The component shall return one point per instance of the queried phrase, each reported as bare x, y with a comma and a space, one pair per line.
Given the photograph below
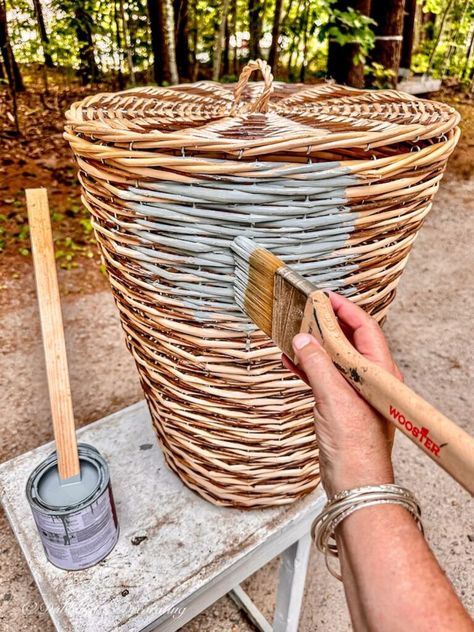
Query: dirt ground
430, 330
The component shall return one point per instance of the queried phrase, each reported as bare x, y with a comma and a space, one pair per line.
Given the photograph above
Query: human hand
355, 441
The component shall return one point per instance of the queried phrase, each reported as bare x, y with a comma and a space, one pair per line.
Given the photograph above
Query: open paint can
76, 520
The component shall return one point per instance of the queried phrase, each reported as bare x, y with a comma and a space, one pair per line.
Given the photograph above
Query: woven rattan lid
250, 120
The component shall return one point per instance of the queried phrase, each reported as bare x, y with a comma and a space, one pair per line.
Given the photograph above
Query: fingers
323, 377
397, 373
365, 333
288, 364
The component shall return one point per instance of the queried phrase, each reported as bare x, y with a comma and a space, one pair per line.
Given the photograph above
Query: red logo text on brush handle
418, 433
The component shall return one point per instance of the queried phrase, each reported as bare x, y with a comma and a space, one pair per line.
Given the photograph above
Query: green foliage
433, 6
306, 28
22, 31
86, 224
66, 251
73, 240
64, 17
318, 15
444, 49
23, 233
14, 229
350, 27
419, 63
380, 76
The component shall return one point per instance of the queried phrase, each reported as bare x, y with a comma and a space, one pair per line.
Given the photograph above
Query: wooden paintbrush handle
447, 444
52, 332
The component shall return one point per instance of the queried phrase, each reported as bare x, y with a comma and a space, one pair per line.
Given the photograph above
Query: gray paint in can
76, 521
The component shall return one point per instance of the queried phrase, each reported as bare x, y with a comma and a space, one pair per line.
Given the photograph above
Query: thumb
323, 377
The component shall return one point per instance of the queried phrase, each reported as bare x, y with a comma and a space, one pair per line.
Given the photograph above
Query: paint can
76, 521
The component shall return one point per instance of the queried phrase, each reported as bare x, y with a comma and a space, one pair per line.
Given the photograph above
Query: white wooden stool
176, 555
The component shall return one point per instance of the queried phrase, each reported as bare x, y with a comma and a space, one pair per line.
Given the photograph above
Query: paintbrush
282, 304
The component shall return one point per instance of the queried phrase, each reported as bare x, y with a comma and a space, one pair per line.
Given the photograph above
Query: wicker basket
335, 181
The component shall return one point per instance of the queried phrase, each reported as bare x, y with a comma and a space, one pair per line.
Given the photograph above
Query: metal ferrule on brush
296, 280
290, 295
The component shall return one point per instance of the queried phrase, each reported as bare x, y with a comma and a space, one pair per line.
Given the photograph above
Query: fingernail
301, 340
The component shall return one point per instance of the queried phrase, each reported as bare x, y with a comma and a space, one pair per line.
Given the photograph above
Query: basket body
336, 182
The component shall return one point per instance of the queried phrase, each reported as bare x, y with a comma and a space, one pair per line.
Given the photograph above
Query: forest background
54, 52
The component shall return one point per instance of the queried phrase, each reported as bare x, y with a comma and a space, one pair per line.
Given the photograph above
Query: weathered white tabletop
176, 553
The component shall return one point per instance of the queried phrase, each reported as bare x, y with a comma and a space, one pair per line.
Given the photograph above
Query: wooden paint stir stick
53, 334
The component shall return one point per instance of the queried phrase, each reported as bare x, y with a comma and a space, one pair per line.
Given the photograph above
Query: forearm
392, 580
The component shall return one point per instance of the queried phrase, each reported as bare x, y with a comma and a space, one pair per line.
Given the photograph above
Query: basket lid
258, 119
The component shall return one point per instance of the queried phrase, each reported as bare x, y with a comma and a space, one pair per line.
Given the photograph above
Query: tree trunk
388, 35
194, 40
255, 27
118, 40
158, 44
226, 51
283, 25
127, 44
43, 33
88, 70
216, 67
170, 41
181, 13
274, 48
160, 13
132, 33
341, 66
465, 73
293, 46
293, 50
235, 59
427, 30
418, 27
305, 41
15, 79
285, 18
408, 33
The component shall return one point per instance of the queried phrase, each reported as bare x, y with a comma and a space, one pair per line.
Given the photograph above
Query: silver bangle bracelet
347, 502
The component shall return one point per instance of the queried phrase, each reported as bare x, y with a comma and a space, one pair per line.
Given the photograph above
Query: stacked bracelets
347, 502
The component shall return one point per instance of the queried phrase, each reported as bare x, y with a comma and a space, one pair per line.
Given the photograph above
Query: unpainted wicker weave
335, 181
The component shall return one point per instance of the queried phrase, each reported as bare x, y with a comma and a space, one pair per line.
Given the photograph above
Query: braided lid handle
261, 102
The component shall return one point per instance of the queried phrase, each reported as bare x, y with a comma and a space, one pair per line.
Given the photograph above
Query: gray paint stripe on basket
280, 246
304, 225
306, 214
232, 196
200, 208
311, 227
198, 288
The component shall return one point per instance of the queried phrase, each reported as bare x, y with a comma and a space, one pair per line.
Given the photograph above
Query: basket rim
303, 118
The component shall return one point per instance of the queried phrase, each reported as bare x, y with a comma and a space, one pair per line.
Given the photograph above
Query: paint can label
77, 523
80, 539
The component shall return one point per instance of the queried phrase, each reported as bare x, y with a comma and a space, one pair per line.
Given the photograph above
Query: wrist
343, 474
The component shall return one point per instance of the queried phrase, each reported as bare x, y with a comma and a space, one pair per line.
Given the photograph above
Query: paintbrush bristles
254, 280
